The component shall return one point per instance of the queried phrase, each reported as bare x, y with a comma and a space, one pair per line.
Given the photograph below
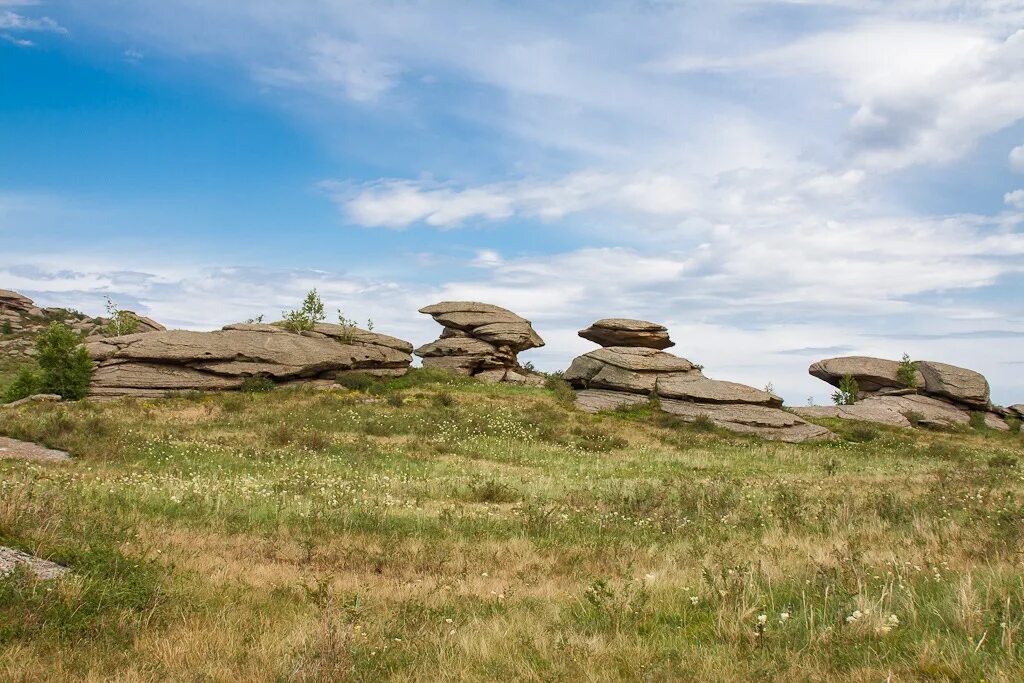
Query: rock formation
22, 320
153, 364
625, 332
480, 340
941, 395
629, 374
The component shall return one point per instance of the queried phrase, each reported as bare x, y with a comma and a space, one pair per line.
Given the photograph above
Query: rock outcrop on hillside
942, 395
614, 376
21, 320
480, 340
153, 364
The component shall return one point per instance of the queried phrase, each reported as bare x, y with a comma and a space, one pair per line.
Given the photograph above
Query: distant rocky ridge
614, 376
153, 364
480, 340
24, 320
942, 394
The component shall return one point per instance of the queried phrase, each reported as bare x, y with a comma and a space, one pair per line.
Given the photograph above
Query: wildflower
784, 617
762, 619
857, 614
893, 620
694, 600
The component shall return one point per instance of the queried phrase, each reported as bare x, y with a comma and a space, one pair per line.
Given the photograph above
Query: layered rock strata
480, 340
153, 364
615, 376
941, 395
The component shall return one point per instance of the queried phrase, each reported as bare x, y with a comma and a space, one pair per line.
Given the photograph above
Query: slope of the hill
433, 529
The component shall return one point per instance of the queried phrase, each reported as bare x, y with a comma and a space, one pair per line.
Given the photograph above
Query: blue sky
777, 181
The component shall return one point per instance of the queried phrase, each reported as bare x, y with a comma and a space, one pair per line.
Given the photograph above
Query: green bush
64, 363
906, 373
121, 322
6, 328
1002, 461
862, 434
307, 316
1014, 425
27, 383
561, 389
703, 423
848, 390
258, 384
978, 421
357, 381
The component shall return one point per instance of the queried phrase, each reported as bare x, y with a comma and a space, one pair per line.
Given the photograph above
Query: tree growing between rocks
64, 367
307, 316
121, 322
907, 372
848, 390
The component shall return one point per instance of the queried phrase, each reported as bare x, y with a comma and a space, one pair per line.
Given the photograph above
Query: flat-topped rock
693, 386
641, 359
157, 362
13, 301
871, 374
1018, 409
628, 332
895, 411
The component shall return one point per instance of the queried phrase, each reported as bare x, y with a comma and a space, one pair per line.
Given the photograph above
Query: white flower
762, 619
694, 600
784, 617
894, 620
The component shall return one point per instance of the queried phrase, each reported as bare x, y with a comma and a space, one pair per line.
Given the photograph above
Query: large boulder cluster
939, 395
481, 341
628, 370
153, 364
21, 320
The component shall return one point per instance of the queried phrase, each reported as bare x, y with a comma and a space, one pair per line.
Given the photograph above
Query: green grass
429, 528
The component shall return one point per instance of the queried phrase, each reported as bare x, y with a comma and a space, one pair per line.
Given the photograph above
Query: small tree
348, 327
121, 322
306, 317
64, 363
27, 383
848, 390
906, 373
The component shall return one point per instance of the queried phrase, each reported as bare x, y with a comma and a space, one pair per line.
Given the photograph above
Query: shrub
848, 390
906, 373
703, 423
357, 381
444, 399
863, 434
561, 389
348, 327
258, 384
27, 383
6, 328
978, 421
307, 316
1002, 461
913, 417
1014, 425
492, 491
121, 322
64, 362
395, 400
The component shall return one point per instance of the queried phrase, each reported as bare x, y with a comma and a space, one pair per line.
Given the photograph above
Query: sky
777, 181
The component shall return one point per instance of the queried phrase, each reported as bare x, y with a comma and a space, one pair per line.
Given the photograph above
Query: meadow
430, 529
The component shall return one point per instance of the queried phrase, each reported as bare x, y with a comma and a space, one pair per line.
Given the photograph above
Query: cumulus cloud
1015, 199
1017, 158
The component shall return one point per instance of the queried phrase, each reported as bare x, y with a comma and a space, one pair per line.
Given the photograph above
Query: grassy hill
429, 529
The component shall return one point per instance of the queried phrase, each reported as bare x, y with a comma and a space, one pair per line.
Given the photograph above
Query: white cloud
12, 21
1015, 199
1017, 158
331, 63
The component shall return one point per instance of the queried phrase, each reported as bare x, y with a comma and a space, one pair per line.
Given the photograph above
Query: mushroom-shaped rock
615, 376
480, 340
628, 332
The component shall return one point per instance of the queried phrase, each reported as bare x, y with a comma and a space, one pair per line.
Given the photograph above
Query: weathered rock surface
943, 395
44, 570
957, 384
627, 375
480, 340
25, 450
871, 374
150, 365
21, 320
34, 398
1018, 409
627, 332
